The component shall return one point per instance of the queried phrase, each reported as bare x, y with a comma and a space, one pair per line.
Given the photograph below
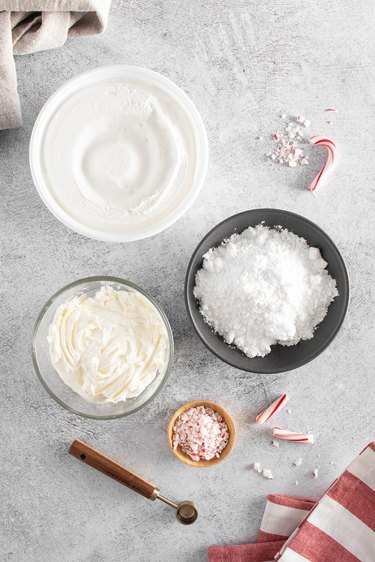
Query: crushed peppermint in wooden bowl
201, 433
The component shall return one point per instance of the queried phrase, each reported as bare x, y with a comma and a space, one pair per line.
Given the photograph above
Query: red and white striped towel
338, 528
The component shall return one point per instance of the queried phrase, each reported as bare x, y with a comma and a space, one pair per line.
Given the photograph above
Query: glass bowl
51, 380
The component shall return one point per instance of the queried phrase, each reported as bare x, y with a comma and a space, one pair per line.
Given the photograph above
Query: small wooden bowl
231, 430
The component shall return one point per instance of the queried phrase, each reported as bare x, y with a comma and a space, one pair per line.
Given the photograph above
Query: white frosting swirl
108, 347
115, 153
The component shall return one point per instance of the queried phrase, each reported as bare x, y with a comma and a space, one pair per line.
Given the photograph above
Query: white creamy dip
108, 347
118, 152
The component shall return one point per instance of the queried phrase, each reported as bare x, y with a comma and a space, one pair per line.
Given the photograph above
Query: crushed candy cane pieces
330, 163
267, 473
272, 409
289, 150
292, 435
275, 443
298, 461
290, 146
315, 472
201, 433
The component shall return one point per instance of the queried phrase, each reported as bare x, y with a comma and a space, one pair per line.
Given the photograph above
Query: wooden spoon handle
111, 468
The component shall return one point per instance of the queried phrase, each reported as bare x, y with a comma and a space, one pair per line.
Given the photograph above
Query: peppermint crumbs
290, 144
290, 139
265, 472
201, 433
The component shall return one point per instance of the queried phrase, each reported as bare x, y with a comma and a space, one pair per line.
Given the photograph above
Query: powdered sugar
263, 287
201, 433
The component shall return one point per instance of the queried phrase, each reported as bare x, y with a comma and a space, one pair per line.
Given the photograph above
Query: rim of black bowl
191, 301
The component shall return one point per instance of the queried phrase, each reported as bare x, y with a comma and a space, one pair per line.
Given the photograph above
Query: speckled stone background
241, 62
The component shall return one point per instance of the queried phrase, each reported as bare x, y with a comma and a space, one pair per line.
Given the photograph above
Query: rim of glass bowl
110, 279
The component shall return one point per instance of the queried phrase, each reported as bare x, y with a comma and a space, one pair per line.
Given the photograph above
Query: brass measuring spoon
186, 512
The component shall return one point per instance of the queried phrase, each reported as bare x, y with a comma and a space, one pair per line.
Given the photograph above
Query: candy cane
330, 163
269, 412
292, 435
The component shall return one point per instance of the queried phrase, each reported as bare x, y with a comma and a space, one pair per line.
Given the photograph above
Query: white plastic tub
48, 152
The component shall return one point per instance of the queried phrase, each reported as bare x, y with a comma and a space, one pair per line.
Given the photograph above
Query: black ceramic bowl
281, 358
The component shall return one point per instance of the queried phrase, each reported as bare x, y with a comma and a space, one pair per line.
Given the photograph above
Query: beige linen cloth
27, 26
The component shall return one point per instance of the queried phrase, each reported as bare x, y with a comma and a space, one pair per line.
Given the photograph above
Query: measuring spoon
186, 512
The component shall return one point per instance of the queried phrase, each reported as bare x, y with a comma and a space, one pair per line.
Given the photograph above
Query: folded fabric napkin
340, 527
27, 26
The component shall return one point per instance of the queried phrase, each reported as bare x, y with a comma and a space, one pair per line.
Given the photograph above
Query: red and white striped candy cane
292, 435
329, 164
269, 412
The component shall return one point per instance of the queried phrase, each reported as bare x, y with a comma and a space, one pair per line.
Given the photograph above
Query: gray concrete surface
241, 62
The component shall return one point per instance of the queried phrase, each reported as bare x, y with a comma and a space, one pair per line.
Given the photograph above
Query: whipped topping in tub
117, 152
110, 346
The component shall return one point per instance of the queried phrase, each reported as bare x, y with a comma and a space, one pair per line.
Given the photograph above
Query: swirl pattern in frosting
110, 346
